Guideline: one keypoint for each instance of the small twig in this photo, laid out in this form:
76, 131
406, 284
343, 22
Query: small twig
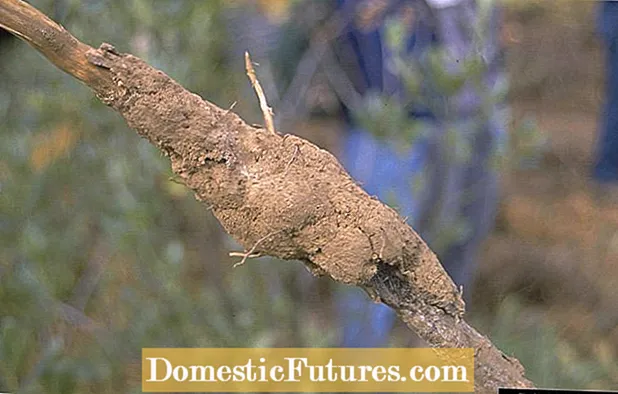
176, 179
383, 244
296, 152
267, 112
231, 108
243, 254
227, 111
250, 253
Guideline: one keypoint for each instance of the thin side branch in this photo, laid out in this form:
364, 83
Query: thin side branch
267, 111
251, 253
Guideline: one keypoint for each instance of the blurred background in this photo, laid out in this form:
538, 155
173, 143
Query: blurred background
103, 253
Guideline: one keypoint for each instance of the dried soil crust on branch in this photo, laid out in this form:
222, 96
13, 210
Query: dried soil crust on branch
277, 195
283, 196
291, 196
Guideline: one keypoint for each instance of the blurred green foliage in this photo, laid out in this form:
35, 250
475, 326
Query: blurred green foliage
550, 361
101, 253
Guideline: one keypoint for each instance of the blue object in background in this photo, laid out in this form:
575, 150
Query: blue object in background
454, 195
451, 202
606, 166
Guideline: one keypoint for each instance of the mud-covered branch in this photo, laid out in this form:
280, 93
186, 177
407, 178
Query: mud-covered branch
276, 195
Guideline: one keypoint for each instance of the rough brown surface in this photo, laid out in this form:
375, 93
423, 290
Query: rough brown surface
277, 195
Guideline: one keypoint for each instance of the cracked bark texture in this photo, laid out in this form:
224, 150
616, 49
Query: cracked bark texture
276, 195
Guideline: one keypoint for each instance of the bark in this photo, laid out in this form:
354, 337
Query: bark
276, 195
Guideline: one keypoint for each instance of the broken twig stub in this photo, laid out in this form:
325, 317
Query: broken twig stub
267, 111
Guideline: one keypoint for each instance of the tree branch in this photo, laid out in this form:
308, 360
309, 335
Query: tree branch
259, 183
267, 112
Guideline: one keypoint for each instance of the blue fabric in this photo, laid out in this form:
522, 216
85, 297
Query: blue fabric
607, 20
379, 169
606, 167
454, 195
365, 324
